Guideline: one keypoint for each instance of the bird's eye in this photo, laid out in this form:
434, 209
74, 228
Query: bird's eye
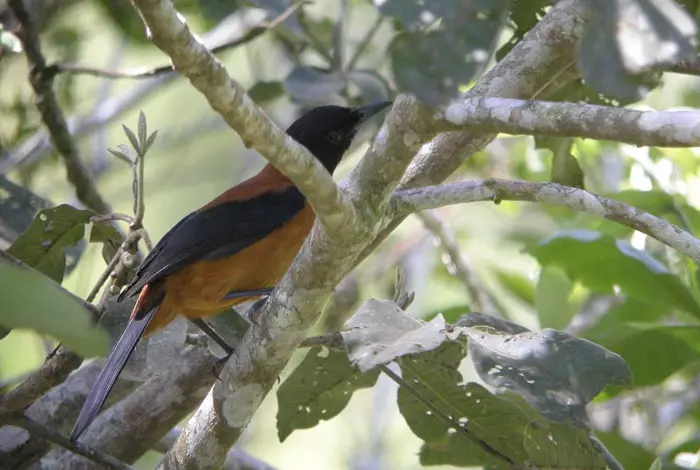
335, 137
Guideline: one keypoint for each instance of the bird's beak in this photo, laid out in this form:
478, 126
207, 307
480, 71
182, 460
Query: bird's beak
370, 110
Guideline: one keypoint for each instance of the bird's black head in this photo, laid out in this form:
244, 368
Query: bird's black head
327, 131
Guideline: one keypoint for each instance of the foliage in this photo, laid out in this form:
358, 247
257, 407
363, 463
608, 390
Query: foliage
615, 317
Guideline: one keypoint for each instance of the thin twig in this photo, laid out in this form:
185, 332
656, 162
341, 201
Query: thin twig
52, 116
333, 340
364, 43
316, 43
57, 438
112, 217
430, 197
470, 280
484, 446
685, 67
140, 73
104, 276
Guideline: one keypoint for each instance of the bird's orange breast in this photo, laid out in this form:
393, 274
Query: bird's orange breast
198, 290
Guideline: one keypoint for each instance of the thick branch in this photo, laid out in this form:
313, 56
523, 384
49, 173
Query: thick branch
52, 116
554, 119
227, 97
412, 200
138, 422
236, 459
322, 262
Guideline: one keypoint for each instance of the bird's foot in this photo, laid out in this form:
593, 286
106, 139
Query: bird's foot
219, 365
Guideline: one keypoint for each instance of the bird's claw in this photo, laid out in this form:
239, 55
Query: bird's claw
219, 365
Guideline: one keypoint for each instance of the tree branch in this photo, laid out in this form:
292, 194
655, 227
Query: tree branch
471, 282
555, 119
37, 146
51, 114
412, 200
295, 305
236, 459
227, 97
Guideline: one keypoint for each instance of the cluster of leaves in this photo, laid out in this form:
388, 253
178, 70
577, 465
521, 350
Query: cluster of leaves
50, 241
544, 379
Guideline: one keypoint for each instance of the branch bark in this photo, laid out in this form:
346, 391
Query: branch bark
407, 201
227, 97
554, 119
323, 261
52, 116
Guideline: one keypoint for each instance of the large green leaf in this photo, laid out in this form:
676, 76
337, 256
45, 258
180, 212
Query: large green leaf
505, 424
318, 389
656, 353
542, 367
30, 300
600, 262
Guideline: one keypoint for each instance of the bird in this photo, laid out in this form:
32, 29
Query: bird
234, 249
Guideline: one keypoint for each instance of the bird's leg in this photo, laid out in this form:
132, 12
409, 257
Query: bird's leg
219, 364
248, 293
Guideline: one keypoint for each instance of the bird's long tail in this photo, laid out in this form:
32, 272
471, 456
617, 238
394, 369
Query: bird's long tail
122, 350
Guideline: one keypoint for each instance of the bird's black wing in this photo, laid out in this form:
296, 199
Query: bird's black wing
216, 232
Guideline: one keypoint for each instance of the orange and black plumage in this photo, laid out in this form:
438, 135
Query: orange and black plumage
231, 250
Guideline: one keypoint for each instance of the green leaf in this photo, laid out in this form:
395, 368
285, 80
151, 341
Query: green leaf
655, 353
142, 129
313, 86
600, 262
545, 366
524, 14
624, 320
625, 39
30, 300
149, 142
380, 331
43, 245
565, 167
517, 284
318, 389
263, 92
552, 298
629, 454
466, 39
132, 138
505, 423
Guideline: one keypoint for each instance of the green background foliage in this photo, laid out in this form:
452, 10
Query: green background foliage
546, 267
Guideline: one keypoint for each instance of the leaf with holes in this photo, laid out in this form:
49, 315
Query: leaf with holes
380, 331
556, 373
318, 389
464, 421
44, 244
625, 39
30, 300
601, 262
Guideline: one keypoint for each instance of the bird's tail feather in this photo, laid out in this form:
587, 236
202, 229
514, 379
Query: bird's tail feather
116, 361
